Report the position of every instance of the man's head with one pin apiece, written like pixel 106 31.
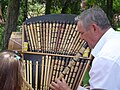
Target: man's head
pixel 92 24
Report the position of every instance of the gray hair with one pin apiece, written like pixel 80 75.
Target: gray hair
pixel 94 15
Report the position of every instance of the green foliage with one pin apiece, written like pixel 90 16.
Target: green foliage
pixel 66 6
pixel 86 78
pixel 91 2
pixel 35 10
pixel 118 29
pixel 56 6
pixel 116 6
pixel 4 4
pixel 1 36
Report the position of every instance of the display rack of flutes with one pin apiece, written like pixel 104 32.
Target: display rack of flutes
pixel 52 37
pixel 53 66
pixel 52 53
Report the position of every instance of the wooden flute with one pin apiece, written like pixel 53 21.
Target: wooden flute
pixel 74 59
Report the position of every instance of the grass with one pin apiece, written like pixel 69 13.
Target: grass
pixel 86 78
pixel 118 29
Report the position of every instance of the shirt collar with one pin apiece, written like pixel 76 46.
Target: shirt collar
pixel 101 42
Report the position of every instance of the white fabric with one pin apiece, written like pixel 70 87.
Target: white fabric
pixel 105 71
pixel 81 88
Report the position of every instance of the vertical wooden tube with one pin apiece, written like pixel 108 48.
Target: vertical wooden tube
pixel 36 76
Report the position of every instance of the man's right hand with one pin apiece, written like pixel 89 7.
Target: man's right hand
pixel 59 85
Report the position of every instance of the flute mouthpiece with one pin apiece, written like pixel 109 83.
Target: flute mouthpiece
pixel 80 54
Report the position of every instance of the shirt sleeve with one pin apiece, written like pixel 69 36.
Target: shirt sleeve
pixel 81 88
pixel 102 74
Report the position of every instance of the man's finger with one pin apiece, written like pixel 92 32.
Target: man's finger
pixel 55 85
pixel 63 80
pixel 52 87
pixel 57 81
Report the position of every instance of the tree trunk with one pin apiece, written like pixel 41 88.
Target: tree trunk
pixel 65 7
pixel 25 10
pixel 109 9
pixel 11 22
pixel 48 6
pixel 75 7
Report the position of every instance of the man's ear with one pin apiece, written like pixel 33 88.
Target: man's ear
pixel 95 28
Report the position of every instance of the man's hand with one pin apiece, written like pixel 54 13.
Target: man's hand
pixel 59 85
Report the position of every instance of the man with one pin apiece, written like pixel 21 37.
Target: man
pixel 96 30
